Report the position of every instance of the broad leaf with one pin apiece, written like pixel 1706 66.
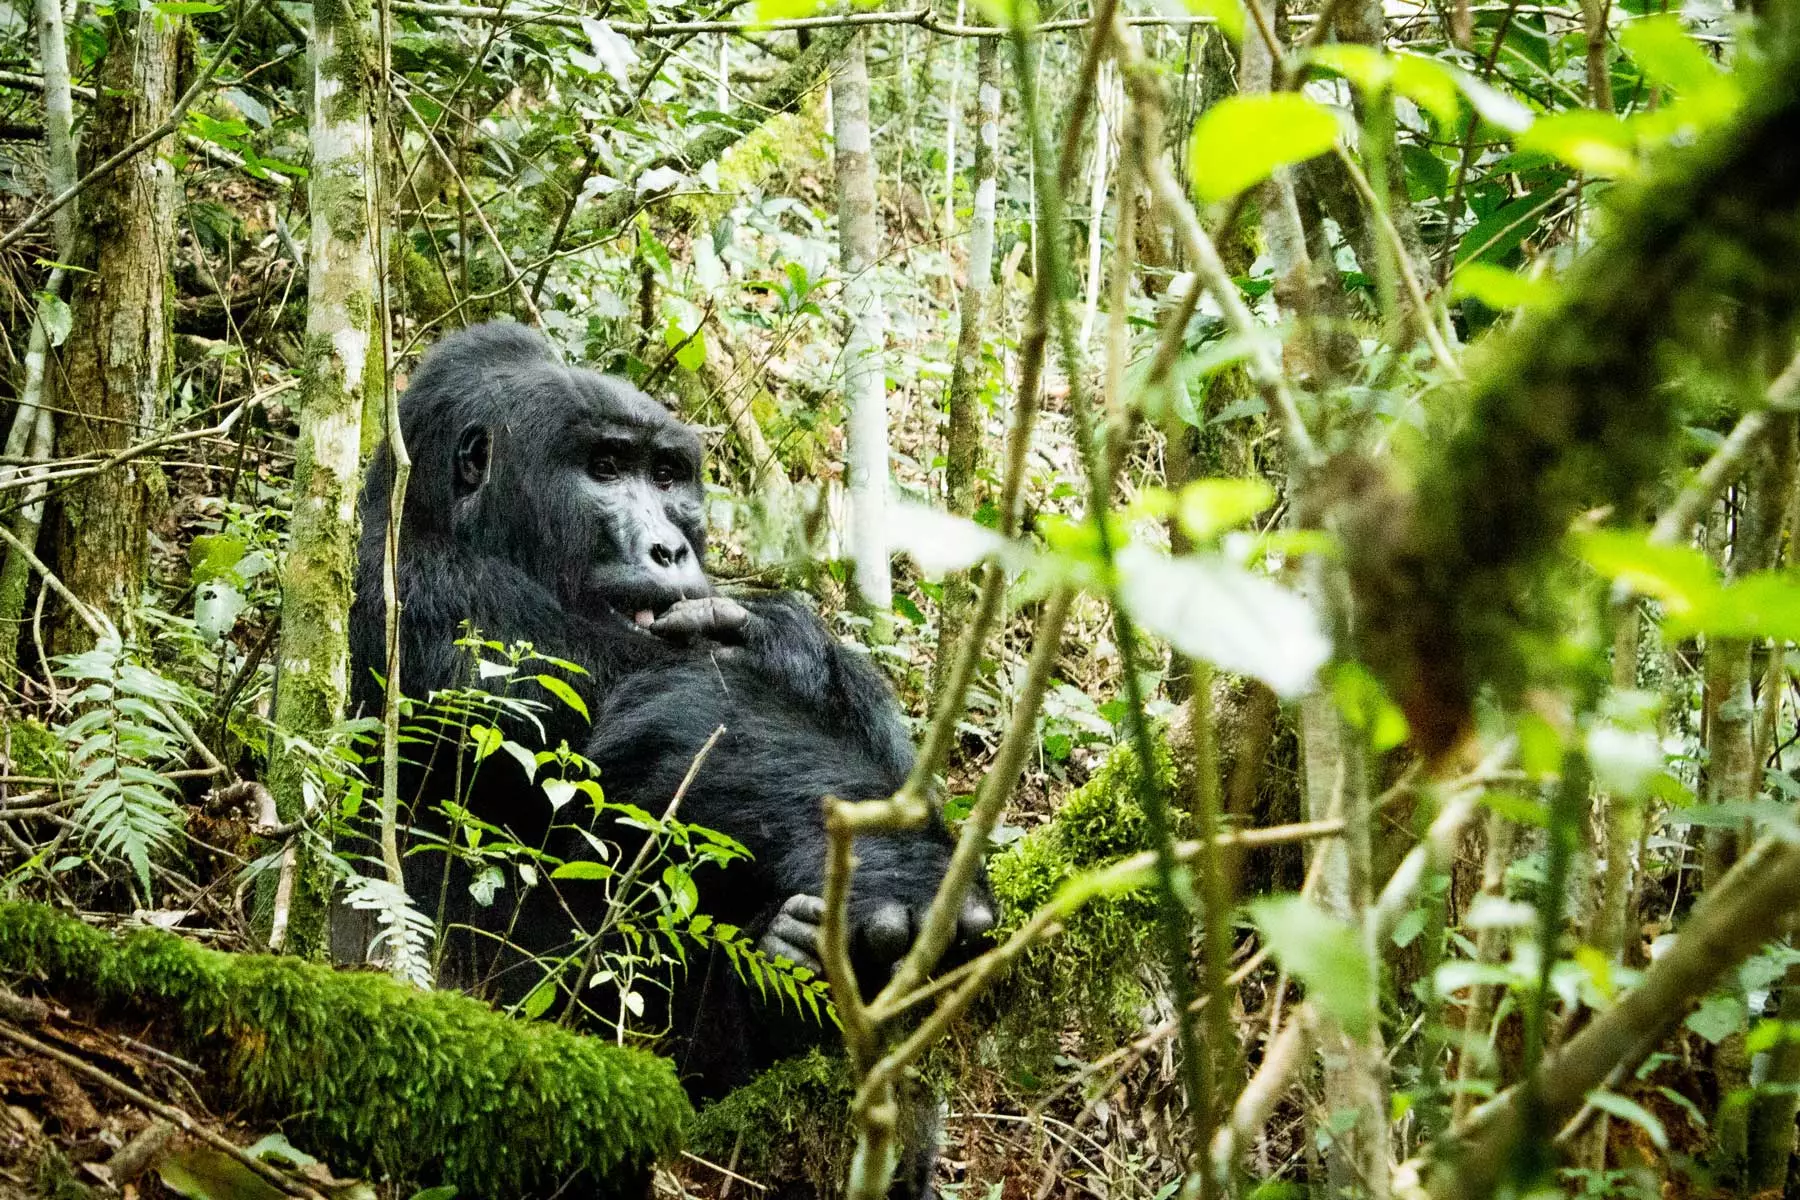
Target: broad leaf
pixel 1324 953
pixel 1242 140
pixel 1217 611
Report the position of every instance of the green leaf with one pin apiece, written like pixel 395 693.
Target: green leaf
pixel 538 1002
pixel 1667 56
pixel 1242 140
pixel 1228 13
pixel 1324 953
pixel 1365 66
pixel 1209 507
pixel 54 312
pixel 782 10
pixel 1630 1110
pixel 1499 288
pixel 582 868
pixel 484 739
pixel 565 693
pixel 1595 142
pixel 1717 1018
pixel 1430 85
pixel 1680 577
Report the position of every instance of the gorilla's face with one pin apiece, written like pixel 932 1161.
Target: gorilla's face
pixel 599 497
pixel 640 488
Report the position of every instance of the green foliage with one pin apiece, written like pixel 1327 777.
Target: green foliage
pixel 118 747
pixel 792 1120
pixel 376 1076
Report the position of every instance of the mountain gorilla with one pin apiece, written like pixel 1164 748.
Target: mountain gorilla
pixel 558 507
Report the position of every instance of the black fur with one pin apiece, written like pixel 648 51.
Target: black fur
pixel 522 519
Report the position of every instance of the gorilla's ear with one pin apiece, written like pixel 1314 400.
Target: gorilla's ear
pixel 473 451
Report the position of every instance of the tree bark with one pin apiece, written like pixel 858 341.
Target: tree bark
pixel 963 451
pixel 865 365
pixel 33 431
pixel 340 373
pixel 119 358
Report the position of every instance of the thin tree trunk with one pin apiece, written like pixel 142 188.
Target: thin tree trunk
pixel 963 455
pixel 865 364
pixel 119 360
pixel 1108 102
pixel 33 432
pixel 342 365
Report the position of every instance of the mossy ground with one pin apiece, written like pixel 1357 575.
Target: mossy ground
pixel 373 1075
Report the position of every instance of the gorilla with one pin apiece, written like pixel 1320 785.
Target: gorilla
pixel 558 507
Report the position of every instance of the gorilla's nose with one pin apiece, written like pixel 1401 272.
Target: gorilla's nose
pixel 976 919
pixel 664 555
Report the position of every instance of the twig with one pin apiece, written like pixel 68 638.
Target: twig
pixel 1694 499
pixel 515 278
pixel 168 1112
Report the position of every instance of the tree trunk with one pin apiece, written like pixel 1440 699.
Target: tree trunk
pixel 118 361
pixel 963 453
pixel 33 432
pixel 865 366
pixel 339 373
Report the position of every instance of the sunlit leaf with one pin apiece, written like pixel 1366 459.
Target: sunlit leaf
pixel 1678 576
pixel 1668 57
pixel 1220 612
pixel 582 868
pixel 1365 66
pixel 1324 953
pixel 614 50
pixel 1595 142
pixel 1491 104
pixel 1242 140
pixel 216 608
pixel 938 541
pixel 1624 761
pixel 562 691
pixel 1228 13
pixel 1500 288
pixel 560 791
pixel 1430 85
pixel 1208 507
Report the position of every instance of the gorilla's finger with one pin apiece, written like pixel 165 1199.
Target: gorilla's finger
pixel 887 933
pixel 810 909
pixel 795 933
pixel 791 940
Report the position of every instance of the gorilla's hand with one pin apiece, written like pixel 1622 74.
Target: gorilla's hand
pixel 715 618
pixel 882 935
pixel 794 933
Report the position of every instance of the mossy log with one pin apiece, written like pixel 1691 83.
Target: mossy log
pixel 373 1075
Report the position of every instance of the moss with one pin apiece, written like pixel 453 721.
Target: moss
pixel 376 1076
pixel 33 749
pixel 421 280
pixel 792 1121
pixel 1091 977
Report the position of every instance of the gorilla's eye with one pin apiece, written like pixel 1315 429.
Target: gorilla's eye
pixel 604 467
pixel 664 475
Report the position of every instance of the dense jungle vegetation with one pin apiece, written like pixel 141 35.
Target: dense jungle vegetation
pixel 1320 477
